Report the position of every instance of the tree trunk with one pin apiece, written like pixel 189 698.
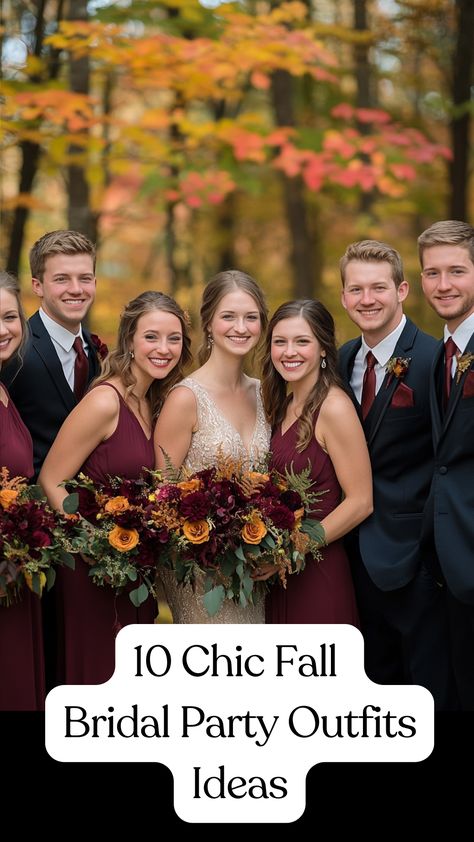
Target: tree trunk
pixel 30 155
pixel 80 216
pixel 463 66
pixel 293 193
pixel 364 96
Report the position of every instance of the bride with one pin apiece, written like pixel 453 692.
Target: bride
pixel 218 409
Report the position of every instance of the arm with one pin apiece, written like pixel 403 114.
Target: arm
pixel 93 420
pixel 174 428
pixel 340 433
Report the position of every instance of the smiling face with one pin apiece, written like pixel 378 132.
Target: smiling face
pixel 236 326
pixel 372 299
pixel 295 351
pixel 157 345
pixel 11 332
pixel 67 290
pixel 448 282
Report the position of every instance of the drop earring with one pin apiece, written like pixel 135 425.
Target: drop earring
pixel 132 355
pixel 210 341
pixel 323 362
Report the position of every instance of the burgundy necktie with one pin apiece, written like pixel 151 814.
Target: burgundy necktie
pixel 81 368
pixel 368 385
pixel 450 351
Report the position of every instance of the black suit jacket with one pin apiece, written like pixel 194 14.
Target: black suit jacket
pixel 40 390
pixel 401 452
pixel 450 510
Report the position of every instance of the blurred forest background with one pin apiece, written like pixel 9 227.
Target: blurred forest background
pixel 187 137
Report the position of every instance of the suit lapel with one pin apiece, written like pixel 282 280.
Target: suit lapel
pixel 93 359
pixel 385 393
pixel 456 389
pixel 43 345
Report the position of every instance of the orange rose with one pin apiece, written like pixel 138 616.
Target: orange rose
pixel 189 486
pixel 196 531
pixel 7 497
pixel 254 530
pixel 116 504
pixel 123 539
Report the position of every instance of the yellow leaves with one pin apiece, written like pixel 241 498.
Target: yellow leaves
pixel 24 200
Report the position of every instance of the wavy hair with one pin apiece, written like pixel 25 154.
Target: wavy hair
pixel 10 284
pixel 220 285
pixel 274 387
pixel 118 363
pixel 58 242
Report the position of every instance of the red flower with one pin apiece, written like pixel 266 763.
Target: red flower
pixel 100 347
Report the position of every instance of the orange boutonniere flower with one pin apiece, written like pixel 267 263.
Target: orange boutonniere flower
pixel 464 362
pixel 196 531
pixel 397 367
pixel 123 539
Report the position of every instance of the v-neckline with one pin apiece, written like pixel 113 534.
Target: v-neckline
pixel 124 402
pixel 229 423
pixel 288 428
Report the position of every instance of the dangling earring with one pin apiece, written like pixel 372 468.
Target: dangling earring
pixel 210 341
pixel 132 355
pixel 323 362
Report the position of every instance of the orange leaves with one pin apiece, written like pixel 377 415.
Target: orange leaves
pixel 197 189
pixel 59 107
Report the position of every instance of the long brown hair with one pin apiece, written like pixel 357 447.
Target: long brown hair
pixel 274 387
pixel 11 284
pixel 118 362
pixel 214 292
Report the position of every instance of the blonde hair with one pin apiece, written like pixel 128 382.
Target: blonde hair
pixel 58 242
pixel 449 232
pixel 373 251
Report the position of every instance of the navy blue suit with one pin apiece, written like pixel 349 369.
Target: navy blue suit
pixel 402 607
pixel 448 529
pixel 40 390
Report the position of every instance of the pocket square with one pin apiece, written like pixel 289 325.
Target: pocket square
pixel 468 385
pixel 402 397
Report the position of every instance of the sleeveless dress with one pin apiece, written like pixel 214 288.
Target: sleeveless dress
pixel 323 592
pixel 214 432
pixel 89 615
pixel 22 685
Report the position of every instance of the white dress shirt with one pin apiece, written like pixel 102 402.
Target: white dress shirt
pixel 382 353
pixel 63 341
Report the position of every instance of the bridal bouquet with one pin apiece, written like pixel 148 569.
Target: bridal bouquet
pixel 225 523
pixel 33 539
pixel 118 537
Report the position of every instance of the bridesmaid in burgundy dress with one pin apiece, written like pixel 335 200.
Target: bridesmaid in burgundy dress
pixel 317 425
pixel 21 637
pixel 110 432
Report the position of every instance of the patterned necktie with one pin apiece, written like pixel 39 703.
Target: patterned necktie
pixel 81 368
pixel 450 351
pixel 368 385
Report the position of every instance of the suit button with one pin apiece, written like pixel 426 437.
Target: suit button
pixel 443 469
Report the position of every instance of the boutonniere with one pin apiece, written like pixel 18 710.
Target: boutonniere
pixel 397 367
pixel 464 362
pixel 99 346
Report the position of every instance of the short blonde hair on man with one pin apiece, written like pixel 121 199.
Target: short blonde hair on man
pixel 373 251
pixel 449 232
pixel 58 242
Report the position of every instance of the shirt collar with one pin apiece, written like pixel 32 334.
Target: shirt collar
pixel 384 350
pixel 462 334
pixel 60 334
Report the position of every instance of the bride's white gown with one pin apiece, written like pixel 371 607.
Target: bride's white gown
pixel 216 433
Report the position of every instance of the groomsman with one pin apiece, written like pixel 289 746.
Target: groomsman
pixel 62 356
pixel 402 608
pixel 447 260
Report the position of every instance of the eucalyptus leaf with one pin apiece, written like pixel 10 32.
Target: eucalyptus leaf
pixel 71 503
pixel 213 600
pixel 139 595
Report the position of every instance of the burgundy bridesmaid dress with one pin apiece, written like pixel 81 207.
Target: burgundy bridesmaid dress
pixel 90 616
pixel 323 592
pixel 21 637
